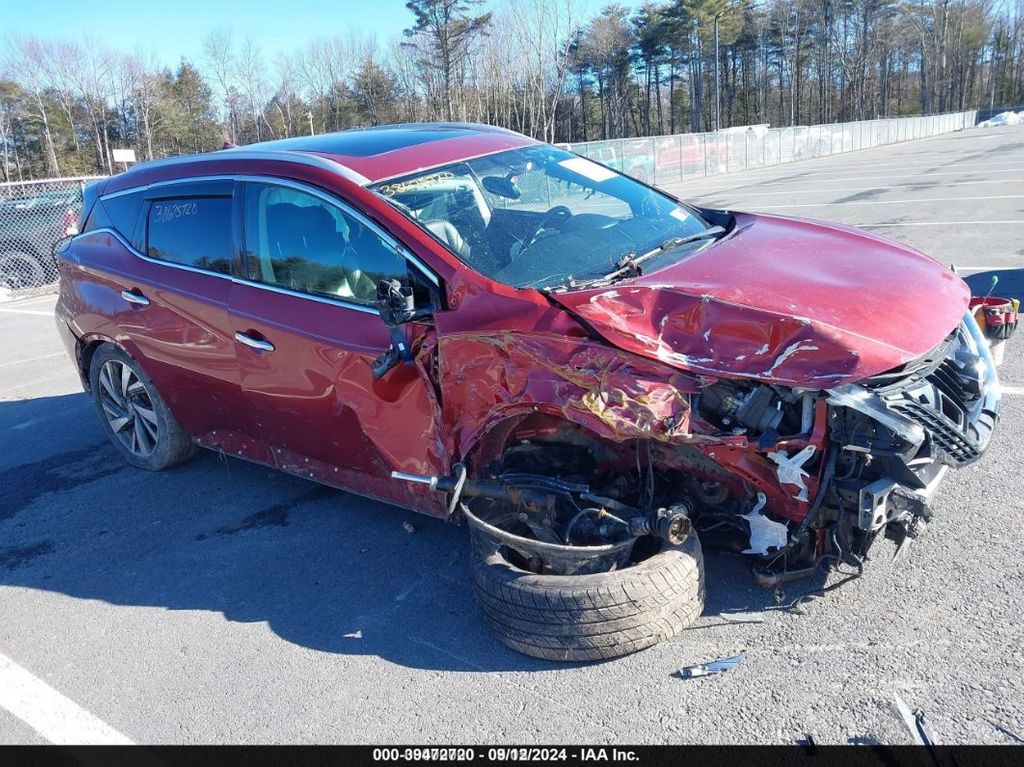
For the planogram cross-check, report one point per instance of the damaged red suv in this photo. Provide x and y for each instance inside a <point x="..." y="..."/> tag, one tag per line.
<point x="588" y="372"/>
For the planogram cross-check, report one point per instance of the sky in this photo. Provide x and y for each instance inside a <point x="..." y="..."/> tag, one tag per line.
<point x="171" y="29"/>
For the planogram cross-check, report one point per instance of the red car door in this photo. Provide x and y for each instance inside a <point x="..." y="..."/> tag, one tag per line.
<point x="159" y="264"/>
<point x="307" y="334"/>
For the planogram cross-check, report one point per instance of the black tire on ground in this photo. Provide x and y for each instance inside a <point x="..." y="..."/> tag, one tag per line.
<point x="591" y="617"/>
<point x="171" y="445"/>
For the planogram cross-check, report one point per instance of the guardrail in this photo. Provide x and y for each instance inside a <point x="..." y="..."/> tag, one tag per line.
<point x="667" y="159"/>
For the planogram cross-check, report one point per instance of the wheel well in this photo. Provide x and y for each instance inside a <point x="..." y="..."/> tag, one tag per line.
<point x="86" y="352"/>
<point x="540" y="430"/>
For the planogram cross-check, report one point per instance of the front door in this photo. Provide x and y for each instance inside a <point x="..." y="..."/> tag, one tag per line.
<point x="307" y="335"/>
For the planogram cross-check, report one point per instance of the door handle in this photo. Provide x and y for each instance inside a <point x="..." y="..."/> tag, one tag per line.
<point x="134" y="298"/>
<point x="254" y="343"/>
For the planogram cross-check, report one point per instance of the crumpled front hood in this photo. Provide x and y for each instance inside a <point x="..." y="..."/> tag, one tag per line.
<point x="790" y="301"/>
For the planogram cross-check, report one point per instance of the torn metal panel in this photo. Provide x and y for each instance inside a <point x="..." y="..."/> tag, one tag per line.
<point x="491" y="376"/>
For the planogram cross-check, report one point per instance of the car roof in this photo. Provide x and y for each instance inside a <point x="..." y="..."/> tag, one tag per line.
<point x="388" y="151"/>
<point x="363" y="156"/>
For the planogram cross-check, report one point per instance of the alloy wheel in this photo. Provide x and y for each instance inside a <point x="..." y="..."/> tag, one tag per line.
<point x="128" y="408"/>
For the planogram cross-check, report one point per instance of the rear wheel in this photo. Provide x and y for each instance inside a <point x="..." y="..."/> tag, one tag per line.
<point x="135" y="416"/>
<point x="595" y="616"/>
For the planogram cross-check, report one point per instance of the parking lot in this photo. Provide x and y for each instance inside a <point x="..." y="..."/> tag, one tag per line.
<point x="225" y="602"/>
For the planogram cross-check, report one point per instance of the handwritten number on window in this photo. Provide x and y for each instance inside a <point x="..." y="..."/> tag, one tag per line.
<point x="170" y="211"/>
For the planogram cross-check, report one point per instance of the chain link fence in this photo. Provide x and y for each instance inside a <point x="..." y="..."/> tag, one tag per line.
<point x="664" y="160"/>
<point x="34" y="216"/>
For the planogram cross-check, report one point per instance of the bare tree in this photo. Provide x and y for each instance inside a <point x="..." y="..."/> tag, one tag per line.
<point x="26" y="60"/>
<point x="219" y="57"/>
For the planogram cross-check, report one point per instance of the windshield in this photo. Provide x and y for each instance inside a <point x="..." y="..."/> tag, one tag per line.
<point x="545" y="218"/>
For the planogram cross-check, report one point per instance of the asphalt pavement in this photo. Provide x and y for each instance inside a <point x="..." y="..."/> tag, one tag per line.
<point x="225" y="602"/>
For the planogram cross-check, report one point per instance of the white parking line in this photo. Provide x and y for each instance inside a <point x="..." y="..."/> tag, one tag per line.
<point x="30" y="359"/>
<point x="897" y="202"/>
<point x="940" y="223"/>
<point x="36" y="300"/>
<point x="989" y="268"/>
<point x="1012" y="389"/>
<point x="888" y="167"/>
<point x="738" y="191"/>
<point x="56" y="718"/>
<point x="910" y="172"/>
<point x="805" y="180"/>
<point x="27" y="311"/>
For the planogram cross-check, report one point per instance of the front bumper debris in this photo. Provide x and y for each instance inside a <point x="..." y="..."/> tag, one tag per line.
<point x="899" y="433"/>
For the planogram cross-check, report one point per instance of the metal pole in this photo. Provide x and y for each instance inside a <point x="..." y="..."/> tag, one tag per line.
<point x="792" y="80"/>
<point x="718" y="84"/>
<point x="992" y="80"/>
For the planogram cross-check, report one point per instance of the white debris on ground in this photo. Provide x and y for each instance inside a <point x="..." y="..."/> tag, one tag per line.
<point x="1004" y="118"/>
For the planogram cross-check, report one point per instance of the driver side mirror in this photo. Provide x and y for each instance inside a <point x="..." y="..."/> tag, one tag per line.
<point x="396" y="305"/>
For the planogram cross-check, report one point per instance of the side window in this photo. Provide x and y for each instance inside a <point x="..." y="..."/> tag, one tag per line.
<point x="301" y="242"/>
<point x="194" y="231"/>
<point x="120" y="213"/>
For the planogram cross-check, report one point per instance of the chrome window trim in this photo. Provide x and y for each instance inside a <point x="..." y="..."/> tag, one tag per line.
<point x="339" y="302"/>
<point x="143" y="188"/>
<point x="309" y="296"/>
<point x="244" y="153"/>
<point x="425" y="271"/>
<point x="138" y="254"/>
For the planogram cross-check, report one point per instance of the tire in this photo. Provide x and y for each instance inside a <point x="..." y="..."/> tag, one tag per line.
<point x="591" y="617"/>
<point x="20" y="269"/>
<point x="134" y="415"/>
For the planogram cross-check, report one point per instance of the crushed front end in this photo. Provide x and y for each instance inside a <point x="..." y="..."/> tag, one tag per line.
<point x="890" y="440"/>
<point x="603" y="448"/>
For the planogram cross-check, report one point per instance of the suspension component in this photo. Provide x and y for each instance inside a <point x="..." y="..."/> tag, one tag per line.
<point x="671" y="525"/>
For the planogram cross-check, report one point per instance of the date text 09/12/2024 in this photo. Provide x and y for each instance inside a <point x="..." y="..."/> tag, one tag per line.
<point x="505" y="754"/>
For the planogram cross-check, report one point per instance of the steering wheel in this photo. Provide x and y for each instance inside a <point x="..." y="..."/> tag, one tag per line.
<point x="559" y="214"/>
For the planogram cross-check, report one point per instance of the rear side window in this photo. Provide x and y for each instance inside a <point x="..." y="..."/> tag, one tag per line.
<point x="120" y="213"/>
<point x="194" y="231"/>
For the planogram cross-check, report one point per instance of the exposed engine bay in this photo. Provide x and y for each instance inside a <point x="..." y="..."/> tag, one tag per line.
<point x="793" y="478"/>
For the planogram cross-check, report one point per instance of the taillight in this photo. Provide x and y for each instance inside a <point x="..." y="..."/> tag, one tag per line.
<point x="70" y="223"/>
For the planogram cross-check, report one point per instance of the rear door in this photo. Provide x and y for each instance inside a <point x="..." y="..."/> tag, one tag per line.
<point x="168" y="291"/>
<point x="308" y="333"/>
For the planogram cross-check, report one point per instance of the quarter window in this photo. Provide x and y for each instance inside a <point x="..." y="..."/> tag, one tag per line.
<point x="120" y="213"/>
<point x="299" y="241"/>
<point x="194" y="231"/>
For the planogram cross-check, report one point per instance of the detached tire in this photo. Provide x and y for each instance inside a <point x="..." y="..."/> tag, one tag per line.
<point x="591" y="617"/>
